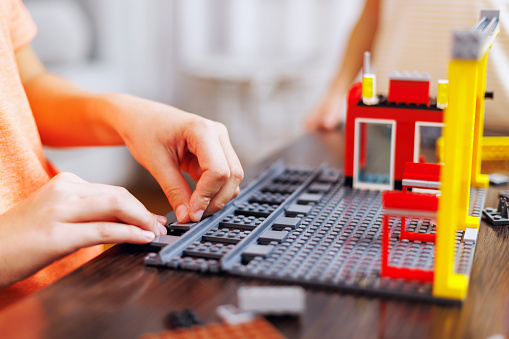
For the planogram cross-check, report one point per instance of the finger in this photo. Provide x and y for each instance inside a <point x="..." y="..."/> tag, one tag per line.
<point x="168" y="175"/>
<point x="161" y="219"/>
<point x="237" y="192"/>
<point x="227" y="192"/>
<point x="207" y="147"/>
<point x="93" y="233"/>
<point x="311" y="122"/>
<point x="123" y="207"/>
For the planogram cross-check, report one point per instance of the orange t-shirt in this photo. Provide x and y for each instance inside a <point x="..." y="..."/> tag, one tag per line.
<point x="23" y="166"/>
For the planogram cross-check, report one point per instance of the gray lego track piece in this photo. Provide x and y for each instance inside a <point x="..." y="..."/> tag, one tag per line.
<point x="334" y="243"/>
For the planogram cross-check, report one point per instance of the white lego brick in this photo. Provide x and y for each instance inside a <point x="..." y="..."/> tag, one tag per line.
<point x="498" y="179"/>
<point x="233" y="315"/>
<point x="470" y="235"/>
<point x="272" y="299"/>
<point x="414" y="76"/>
<point x="426" y="191"/>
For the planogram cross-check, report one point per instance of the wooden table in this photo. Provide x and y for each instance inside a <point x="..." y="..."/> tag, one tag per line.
<point x="117" y="296"/>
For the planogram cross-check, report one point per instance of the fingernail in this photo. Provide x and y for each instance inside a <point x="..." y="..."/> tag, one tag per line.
<point x="161" y="219"/>
<point x="162" y="229"/>
<point x="198" y="215"/>
<point x="181" y="212"/>
<point x="148" y="236"/>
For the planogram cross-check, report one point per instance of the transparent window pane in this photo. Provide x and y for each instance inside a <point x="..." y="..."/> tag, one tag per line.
<point x="428" y="137"/>
<point x="375" y="162"/>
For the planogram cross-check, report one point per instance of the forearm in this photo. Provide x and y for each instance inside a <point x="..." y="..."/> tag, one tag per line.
<point x="69" y="116"/>
<point x="361" y="40"/>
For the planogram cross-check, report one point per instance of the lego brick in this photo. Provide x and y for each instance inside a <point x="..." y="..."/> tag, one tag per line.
<point x="498" y="179"/>
<point x="272" y="300"/>
<point x="307" y="198"/>
<point x="184" y="319"/>
<point x="470" y="235"/>
<point x="257" y="251"/>
<point x="494" y="217"/>
<point x="270" y="235"/>
<point x="422" y="171"/>
<point x="331" y="177"/>
<point x="283" y="222"/>
<point x="255" y="329"/>
<point x="295" y="210"/>
<point x="410" y="201"/>
<point x="409" y="88"/>
<point x="182" y="226"/>
<point x="233" y="315"/>
<point x="319" y="187"/>
<point x="407" y="76"/>
<point x="414" y="183"/>
<point x="164" y="240"/>
<point x="433" y="184"/>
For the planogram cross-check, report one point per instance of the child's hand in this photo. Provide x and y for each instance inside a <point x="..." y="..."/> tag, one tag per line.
<point x="327" y="115"/>
<point x="65" y="215"/>
<point x="166" y="140"/>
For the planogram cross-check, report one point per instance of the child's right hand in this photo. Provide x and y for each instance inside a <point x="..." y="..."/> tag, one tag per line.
<point x="65" y="215"/>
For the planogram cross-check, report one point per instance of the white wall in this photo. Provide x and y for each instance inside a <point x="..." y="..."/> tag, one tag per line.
<point x="257" y="65"/>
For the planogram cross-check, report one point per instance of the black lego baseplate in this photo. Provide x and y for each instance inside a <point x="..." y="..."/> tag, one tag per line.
<point x="301" y="225"/>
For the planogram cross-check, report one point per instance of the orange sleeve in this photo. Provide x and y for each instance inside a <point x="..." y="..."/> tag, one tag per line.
<point x="21" y="25"/>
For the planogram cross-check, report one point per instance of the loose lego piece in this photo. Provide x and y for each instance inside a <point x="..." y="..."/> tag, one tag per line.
<point x="233" y="315"/>
<point x="186" y="318"/>
<point x="257" y="329"/>
<point x="498" y="179"/>
<point x="500" y="215"/>
<point x="276" y="300"/>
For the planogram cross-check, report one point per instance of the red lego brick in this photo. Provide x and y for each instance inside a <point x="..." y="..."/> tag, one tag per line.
<point x="256" y="329"/>
<point x="409" y="92"/>
<point x="422" y="171"/>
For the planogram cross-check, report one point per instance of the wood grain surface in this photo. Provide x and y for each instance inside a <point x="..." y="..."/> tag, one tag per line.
<point x="116" y="296"/>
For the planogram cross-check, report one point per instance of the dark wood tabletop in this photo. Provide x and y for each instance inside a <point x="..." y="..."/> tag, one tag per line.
<point x="117" y="296"/>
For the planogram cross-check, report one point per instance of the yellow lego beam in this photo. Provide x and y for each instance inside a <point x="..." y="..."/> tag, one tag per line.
<point x="493" y="149"/>
<point x="462" y="145"/>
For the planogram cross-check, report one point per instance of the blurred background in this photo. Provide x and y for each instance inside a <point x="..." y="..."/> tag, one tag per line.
<point x="258" y="66"/>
